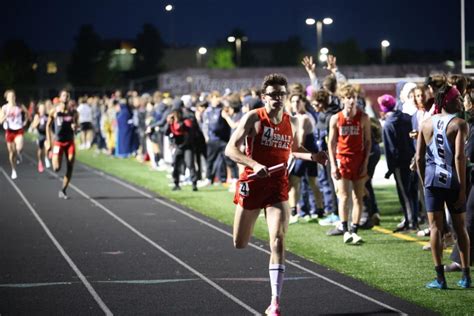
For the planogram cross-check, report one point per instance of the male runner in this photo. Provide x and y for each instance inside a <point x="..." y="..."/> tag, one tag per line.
<point x="443" y="174"/>
<point x="300" y="107"/>
<point x="270" y="135"/>
<point x="14" y="118"/>
<point x="349" y="150"/>
<point x="65" y="124"/>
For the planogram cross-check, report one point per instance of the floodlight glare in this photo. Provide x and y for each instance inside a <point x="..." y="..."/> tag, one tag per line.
<point x="169" y="7"/>
<point x="323" y="58"/>
<point x="310" y="21"/>
<point x="133" y="51"/>
<point x="324" y="51"/>
<point x="202" y="50"/>
<point x="231" y="39"/>
<point x="385" y="43"/>
<point x="327" y="21"/>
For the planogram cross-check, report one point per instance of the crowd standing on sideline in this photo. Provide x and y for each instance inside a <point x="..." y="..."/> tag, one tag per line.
<point x="187" y="136"/>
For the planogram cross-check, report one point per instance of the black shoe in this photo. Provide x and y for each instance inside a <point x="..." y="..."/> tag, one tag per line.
<point x="195" y="188"/>
<point x="452" y="267"/>
<point x="369" y="224"/>
<point x="176" y="188"/>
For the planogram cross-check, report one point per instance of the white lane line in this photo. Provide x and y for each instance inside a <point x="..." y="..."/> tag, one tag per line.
<point x="154" y="244"/>
<point x="84" y="280"/>
<point x="171" y="206"/>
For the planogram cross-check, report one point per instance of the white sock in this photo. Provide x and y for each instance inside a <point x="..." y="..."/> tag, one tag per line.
<point x="276" y="272"/>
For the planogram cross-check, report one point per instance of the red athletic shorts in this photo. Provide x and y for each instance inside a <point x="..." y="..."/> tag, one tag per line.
<point x="60" y="147"/>
<point x="11" y="134"/>
<point x="349" y="166"/>
<point x="261" y="192"/>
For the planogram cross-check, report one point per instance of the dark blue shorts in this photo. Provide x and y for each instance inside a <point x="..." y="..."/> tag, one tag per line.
<point x="435" y="199"/>
<point x="303" y="167"/>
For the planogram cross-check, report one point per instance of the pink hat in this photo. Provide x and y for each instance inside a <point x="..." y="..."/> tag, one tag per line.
<point x="386" y="102"/>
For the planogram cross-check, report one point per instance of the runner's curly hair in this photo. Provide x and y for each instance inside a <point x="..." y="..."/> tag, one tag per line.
<point x="274" y="80"/>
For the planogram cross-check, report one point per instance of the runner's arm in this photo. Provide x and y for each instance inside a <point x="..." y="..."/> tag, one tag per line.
<point x="49" y="137"/>
<point x="303" y="127"/>
<point x="332" y="142"/>
<point x="460" y="161"/>
<point x="245" y="128"/>
<point x="3" y="117"/>
<point x="367" y="140"/>
<point x="420" y="153"/>
<point x="35" y="122"/>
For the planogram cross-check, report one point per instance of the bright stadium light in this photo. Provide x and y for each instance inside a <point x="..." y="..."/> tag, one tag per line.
<point x="133" y="51"/>
<point x="323" y="58"/>
<point x="231" y="39"/>
<point x="385" y="43"/>
<point x="324" y="51"/>
<point x="202" y="50"/>
<point x="327" y="21"/>
<point x="168" y="7"/>
<point x="384" y="50"/>
<point x="319" y="32"/>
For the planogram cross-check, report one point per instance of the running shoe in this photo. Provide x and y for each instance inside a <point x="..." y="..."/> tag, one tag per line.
<point x="330" y="220"/>
<point x="348" y="238"/>
<point x="465" y="283"/>
<point x="62" y="195"/>
<point x="356" y="239"/>
<point x="40" y="167"/>
<point x="435" y="284"/>
<point x="19" y="158"/>
<point x="176" y="188"/>
<point x="14" y="175"/>
<point x="273" y="309"/>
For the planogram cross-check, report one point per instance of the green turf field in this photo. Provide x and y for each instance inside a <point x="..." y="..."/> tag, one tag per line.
<point x="386" y="262"/>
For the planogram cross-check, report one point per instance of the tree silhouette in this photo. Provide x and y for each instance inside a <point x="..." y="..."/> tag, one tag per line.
<point x="87" y="55"/>
<point x="16" y="61"/>
<point x="149" y="45"/>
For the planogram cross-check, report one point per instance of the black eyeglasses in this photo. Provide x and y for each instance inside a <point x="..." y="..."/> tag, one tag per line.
<point x="276" y="94"/>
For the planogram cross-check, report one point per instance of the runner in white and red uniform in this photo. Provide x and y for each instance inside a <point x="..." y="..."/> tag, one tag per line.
<point x="270" y="136"/>
<point x="13" y="117"/>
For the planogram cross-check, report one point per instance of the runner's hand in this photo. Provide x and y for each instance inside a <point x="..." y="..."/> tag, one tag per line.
<point x="320" y="157"/>
<point x="261" y="171"/>
<point x="363" y="170"/>
<point x="336" y="174"/>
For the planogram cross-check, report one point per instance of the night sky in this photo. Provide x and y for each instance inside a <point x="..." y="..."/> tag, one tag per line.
<point x="416" y="24"/>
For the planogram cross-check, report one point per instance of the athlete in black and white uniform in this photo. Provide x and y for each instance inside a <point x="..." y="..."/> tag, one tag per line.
<point x="65" y="124"/>
<point x="39" y="123"/>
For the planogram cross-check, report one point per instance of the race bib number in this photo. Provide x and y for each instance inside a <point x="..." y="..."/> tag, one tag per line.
<point x="56" y="150"/>
<point x="244" y="189"/>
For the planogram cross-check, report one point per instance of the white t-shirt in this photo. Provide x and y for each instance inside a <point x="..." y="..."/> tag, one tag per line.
<point x="85" y="113"/>
<point x="14" y="120"/>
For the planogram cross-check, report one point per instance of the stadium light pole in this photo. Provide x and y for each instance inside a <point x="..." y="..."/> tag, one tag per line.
<point x="199" y="55"/>
<point x="319" y="30"/>
<point x="384" y="47"/>
<point x="238" y="47"/>
<point x="169" y="8"/>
